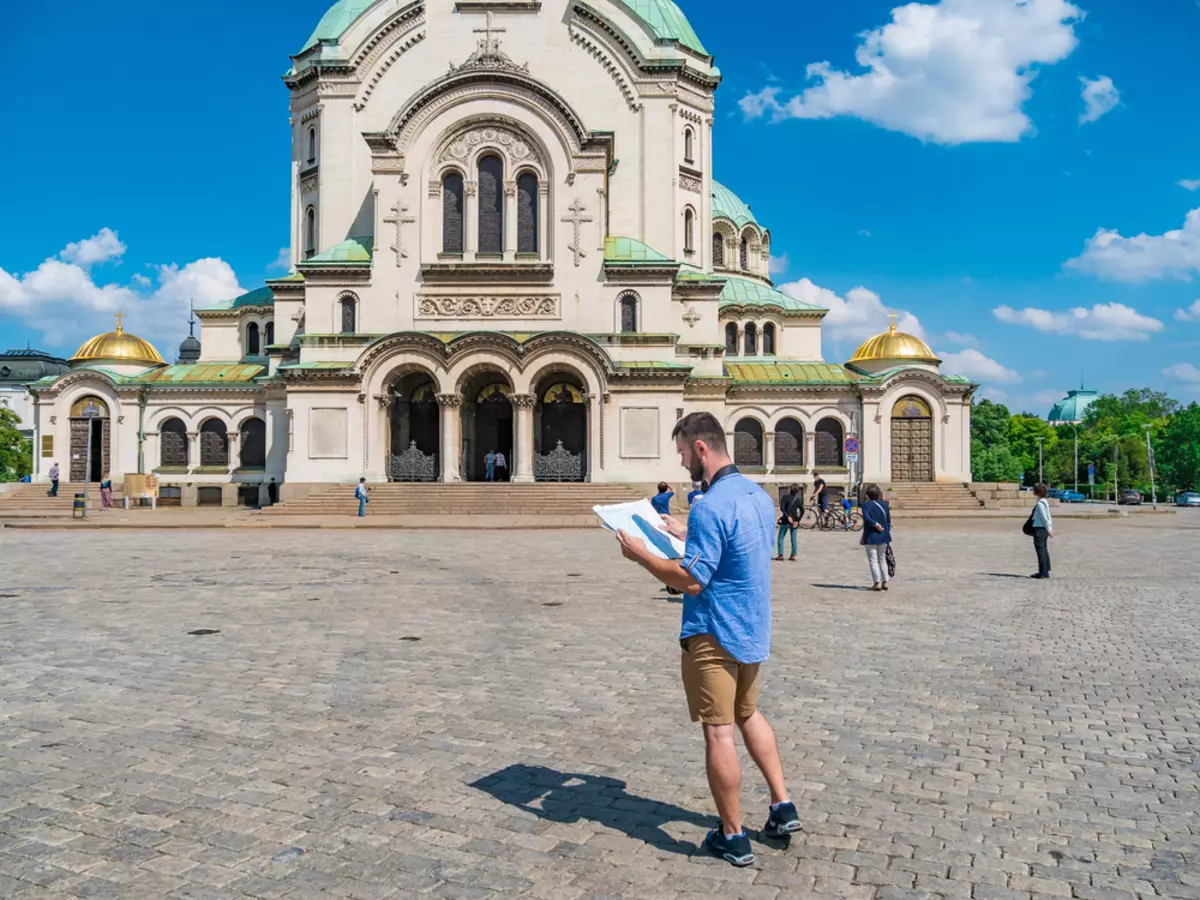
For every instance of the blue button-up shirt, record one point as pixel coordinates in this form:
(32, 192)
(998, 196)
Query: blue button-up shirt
(729, 552)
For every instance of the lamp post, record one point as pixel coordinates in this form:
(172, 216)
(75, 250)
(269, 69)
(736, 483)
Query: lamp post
(1040, 479)
(1150, 459)
(90, 412)
(1075, 425)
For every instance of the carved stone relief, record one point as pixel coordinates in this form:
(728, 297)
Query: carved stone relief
(528, 307)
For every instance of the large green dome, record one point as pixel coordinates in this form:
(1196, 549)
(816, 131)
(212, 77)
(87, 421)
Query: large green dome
(663, 18)
(728, 205)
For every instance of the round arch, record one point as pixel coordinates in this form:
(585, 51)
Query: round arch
(749, 442)
(788, 440)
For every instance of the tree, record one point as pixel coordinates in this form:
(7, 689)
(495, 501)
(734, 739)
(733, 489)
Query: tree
(1023, 433)
(1178, 451)
(995, 464)
(16, 455)
(991, 458)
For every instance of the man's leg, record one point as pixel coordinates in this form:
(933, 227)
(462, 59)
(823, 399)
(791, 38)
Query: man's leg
(793, 530)
(779, 542)
(724, 775)
(760, 742)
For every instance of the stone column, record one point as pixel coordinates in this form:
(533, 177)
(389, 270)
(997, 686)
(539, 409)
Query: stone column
(151, 451)
(810, 448)
(769, 450)
(470, 220)
(510, 221)
(545, 242)
(523, 409)
(193, 449)
(451, 406)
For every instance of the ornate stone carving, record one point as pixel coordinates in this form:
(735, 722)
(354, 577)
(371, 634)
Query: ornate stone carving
(454, 401)
(399, 219)
(435, 190)
(384, 400)
(691, 316)
(577, 218)
(309, 184)
(536, 307)
(464, 145)
(690, 183)
(488, 54)
(472, 188)
(523, 401)
(298, 317)
(510, 189)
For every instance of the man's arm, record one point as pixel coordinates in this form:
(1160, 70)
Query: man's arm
(668, 571)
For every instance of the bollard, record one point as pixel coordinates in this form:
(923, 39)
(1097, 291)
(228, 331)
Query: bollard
(79, 508)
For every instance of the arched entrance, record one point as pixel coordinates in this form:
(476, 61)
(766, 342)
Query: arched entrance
(912, 440)
(487, 425)
(90, 415)
(560, 428)
(414, 428)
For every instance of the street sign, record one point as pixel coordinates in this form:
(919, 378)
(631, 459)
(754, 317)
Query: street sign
(852, 446)
(851, 458)
(1091, 473)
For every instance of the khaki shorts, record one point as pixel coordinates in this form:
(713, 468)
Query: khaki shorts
(718, 687)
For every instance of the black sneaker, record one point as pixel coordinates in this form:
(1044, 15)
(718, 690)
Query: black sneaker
(735, 850)
(782, 821)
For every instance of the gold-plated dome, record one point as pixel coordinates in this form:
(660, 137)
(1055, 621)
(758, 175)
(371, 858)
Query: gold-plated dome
(894, 345)
(118, 347)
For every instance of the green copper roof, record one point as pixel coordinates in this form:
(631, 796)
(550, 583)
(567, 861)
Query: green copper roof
(352, 250)
(745, 292)
(1074, 407)
(728, 205)
(203, 373)
(258, 297)
(628, 250)
(336, 20)
(782, 372)
(666, 22)
(320, 364)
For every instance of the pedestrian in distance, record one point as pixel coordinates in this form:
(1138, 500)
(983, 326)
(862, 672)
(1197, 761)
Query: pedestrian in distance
(662, 500)
(106, 493)
(1043, 529)
(847, 507)
(789, 520)
(361, 495)
(489, 464)
(726, 633)
(820, 495)
(695, 494)
(877, 536)
(501, 465)
(53, 492)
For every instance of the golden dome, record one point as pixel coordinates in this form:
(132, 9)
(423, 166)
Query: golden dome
(118, 347)
(894, 345)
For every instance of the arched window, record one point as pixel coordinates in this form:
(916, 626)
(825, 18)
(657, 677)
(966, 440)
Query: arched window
(253, 444)
(744, 256)
(312, 145)
(349, 310)
(751, 339)
(689, 145)
(214, 443)
(748, 443)
(629, 312)
(789, 443)
(689, 231)
(310, 233)
(527, 213)
(769, 339)
(828, 436)
(452, 213)
(252, 342)
(731, 339)
(718, 249)
(269, 331)
(491, 205)
(173, 444)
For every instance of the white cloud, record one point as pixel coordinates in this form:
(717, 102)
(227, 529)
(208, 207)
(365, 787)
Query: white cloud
(1103, 322)
(1100, 97)
(952, 72)
(963, 340)
(863, 232)
(777, 265)
(102, 246)
(1191, 314)
(64, 301)
(1190, 184)
(1184, 372)
(994, 394)
(283, 259)
(856, 317)
(976, 366)
(1175, 254)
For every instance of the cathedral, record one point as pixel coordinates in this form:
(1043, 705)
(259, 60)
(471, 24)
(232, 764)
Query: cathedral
(507, 235)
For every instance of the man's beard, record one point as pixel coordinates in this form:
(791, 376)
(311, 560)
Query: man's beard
(696, 468)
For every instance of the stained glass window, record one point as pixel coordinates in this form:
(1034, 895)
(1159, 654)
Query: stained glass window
(349, 315)
(491, 205)
(629, 316)
(252, 341)
(527, 213)
(452, 213)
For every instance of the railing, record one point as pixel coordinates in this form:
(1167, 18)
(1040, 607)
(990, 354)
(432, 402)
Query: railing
(413, 465)
(559, 464)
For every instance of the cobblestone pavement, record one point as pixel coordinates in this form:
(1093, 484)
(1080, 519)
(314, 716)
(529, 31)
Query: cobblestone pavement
(460, 715)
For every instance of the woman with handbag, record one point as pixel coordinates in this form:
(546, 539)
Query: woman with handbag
(877, 537)
(1040, 526)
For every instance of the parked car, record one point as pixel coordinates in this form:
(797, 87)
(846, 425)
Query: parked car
(1130, 498)
(1067, 496)
(1056, 493)
(1188, 498)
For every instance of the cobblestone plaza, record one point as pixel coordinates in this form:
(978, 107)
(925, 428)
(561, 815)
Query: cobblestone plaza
(495, 714)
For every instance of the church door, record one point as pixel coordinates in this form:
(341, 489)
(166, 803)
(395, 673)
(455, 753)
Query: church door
(488, 426)
(101, 462)
(415, 431)
(912, 441)
(561, 428)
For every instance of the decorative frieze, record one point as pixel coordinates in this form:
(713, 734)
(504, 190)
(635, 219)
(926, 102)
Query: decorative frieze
(520, 307)
(690, 183)
(464, 145)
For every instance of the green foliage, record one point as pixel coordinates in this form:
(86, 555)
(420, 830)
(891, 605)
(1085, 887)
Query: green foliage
(1178, 451)
(1024, 429)
(995, 464)
(16, 455)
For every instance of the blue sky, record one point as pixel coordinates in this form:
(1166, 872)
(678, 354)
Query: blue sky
(950, 170)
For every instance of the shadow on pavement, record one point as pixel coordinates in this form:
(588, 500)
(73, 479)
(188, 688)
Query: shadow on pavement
(1003, 575)
(843, 587)
(564, 797)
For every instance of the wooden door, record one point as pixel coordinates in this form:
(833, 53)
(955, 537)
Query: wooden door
(912, 450)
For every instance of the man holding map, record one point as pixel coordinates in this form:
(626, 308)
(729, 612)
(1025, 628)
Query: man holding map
(725, 576)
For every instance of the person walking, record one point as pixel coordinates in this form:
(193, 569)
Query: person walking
(877, 535)
(1043, 530)
(662, 500)
(54, 480)
(106, 493)
(489, 464)
(726, 633)
(360, 494)
(501, 464)
(789, 520)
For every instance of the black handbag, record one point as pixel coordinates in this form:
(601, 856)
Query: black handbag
(1028, 528)
(891, 562)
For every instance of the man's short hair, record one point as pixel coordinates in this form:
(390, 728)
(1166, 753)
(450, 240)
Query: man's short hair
(701, 426)
(874, 492)
(795, 488)
(816, 474)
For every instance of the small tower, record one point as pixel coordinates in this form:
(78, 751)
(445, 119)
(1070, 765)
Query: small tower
(189, 349)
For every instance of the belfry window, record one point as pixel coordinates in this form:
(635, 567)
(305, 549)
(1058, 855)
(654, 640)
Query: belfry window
(744, 256)
(310, 233)
(718, 249)
(689, 148)
(689, 231)
(731, 339)
(312, 146)
(629, 312)
(253, 344)
(269, 332)
(751, 339)
(452, 213)
(491, 205)
(527, 213)
(769, 339)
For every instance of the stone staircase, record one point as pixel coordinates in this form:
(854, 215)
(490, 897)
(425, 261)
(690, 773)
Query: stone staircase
(1005, 496)
(32, 500)
(947, 497)
(465, 500)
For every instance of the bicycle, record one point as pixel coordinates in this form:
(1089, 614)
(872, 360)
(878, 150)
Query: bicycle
(841, 520)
